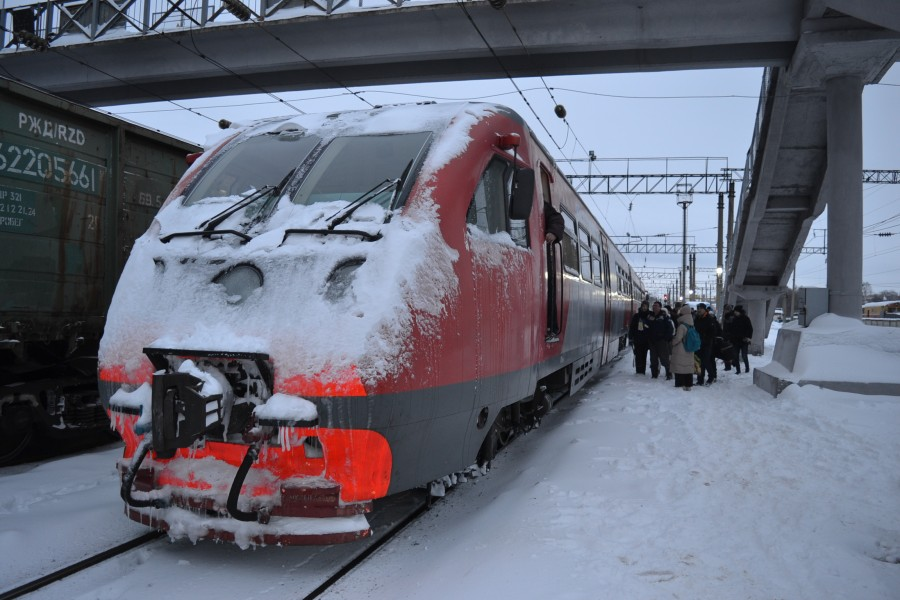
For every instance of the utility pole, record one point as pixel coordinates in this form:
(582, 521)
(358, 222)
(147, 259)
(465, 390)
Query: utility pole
(719, 264)
(693, 276)
(684, 200)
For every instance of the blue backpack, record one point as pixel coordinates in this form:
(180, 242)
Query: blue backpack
(691, 339)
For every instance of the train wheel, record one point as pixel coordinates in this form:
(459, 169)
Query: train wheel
(489, 447)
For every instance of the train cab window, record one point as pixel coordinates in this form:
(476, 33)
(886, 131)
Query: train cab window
(251, 165)
(488, 209)
(569, 245)
(354, 165)
(584, 253)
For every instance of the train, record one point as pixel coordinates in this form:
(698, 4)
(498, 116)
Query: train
(332, 308)
(77, 186)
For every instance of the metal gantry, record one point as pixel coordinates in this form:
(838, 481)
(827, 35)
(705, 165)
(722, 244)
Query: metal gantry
(36, 24)
(667, 248)
(698, 183)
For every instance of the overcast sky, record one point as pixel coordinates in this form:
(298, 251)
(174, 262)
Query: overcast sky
(697, 114)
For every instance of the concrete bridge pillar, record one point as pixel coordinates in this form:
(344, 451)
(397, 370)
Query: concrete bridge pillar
(756, 310)
(844, 195)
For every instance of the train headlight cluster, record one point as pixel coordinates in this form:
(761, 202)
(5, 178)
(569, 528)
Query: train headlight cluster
(341, 279)
(239, 282)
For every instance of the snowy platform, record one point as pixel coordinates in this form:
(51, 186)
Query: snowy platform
(836, 353)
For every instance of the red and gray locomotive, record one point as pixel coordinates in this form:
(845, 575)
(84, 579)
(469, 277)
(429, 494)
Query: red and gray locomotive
(333, 308)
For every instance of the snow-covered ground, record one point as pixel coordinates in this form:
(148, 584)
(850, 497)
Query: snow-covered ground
(632, 489)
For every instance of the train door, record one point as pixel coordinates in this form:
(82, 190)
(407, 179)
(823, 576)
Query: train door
(598, 264)
(554, 271)
(608, 332)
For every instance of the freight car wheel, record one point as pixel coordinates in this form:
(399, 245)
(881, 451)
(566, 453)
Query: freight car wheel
(12, 445)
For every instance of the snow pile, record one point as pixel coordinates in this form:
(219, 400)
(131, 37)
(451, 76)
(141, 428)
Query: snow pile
(835, 348)
(284, 407)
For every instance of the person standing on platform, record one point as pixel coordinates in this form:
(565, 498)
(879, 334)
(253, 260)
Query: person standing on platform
(682, 361)
(639, 337)
(741, 332)
(662, 330)
(709, 329)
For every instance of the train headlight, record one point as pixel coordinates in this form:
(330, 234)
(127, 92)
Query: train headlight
(239, 282)
(341, 278)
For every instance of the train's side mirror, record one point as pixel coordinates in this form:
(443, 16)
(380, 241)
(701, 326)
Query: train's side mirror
(522, 195)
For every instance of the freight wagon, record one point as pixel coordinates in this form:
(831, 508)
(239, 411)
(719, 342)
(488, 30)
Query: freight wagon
(77, 186)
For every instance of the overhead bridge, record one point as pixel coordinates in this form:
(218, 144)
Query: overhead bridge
(102, 52)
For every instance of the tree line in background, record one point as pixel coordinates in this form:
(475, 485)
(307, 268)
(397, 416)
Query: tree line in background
(882, 296)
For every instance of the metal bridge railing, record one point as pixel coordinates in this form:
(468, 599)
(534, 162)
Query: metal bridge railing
(35, 24)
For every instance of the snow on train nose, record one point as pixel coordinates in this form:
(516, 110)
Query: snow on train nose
(279, 494)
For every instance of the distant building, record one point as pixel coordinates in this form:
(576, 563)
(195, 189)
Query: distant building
(888, 309)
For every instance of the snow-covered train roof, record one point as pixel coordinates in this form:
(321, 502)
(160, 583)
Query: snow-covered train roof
(382, 119)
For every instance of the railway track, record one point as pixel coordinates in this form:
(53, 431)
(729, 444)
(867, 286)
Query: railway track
(81, 565)
(390, 516)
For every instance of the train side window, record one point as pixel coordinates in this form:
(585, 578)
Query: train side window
(569, 245)
(584, 253)
(595, 263)
(606, 268)
(487, 210)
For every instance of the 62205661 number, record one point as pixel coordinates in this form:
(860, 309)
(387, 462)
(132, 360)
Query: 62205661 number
(33, 163)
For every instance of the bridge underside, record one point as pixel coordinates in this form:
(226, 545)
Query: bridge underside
(787, 199)
(415, 43)
(806, 154)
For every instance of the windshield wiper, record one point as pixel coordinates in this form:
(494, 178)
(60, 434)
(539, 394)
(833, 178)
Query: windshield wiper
(207, 234)
(211, 223)
(366, 197)
(269, 205)
(401, 182)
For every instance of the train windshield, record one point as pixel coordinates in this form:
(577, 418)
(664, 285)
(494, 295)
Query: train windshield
(263, 160)
(351, 166)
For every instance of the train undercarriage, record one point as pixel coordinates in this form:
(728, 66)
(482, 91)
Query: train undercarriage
(49, 402)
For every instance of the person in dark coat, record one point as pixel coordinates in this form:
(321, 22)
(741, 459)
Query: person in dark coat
(639, 337)
(554, 226)
(662, 330)
(709, 329)
(741, 332)
(727, 319)
(682, 361)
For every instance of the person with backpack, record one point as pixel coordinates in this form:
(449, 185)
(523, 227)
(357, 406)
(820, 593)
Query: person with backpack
(662, 330)
(681, 361)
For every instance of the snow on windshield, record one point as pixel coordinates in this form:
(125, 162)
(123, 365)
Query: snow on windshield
(166, 297)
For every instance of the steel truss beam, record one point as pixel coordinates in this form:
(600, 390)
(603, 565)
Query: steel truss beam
(695, 183)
